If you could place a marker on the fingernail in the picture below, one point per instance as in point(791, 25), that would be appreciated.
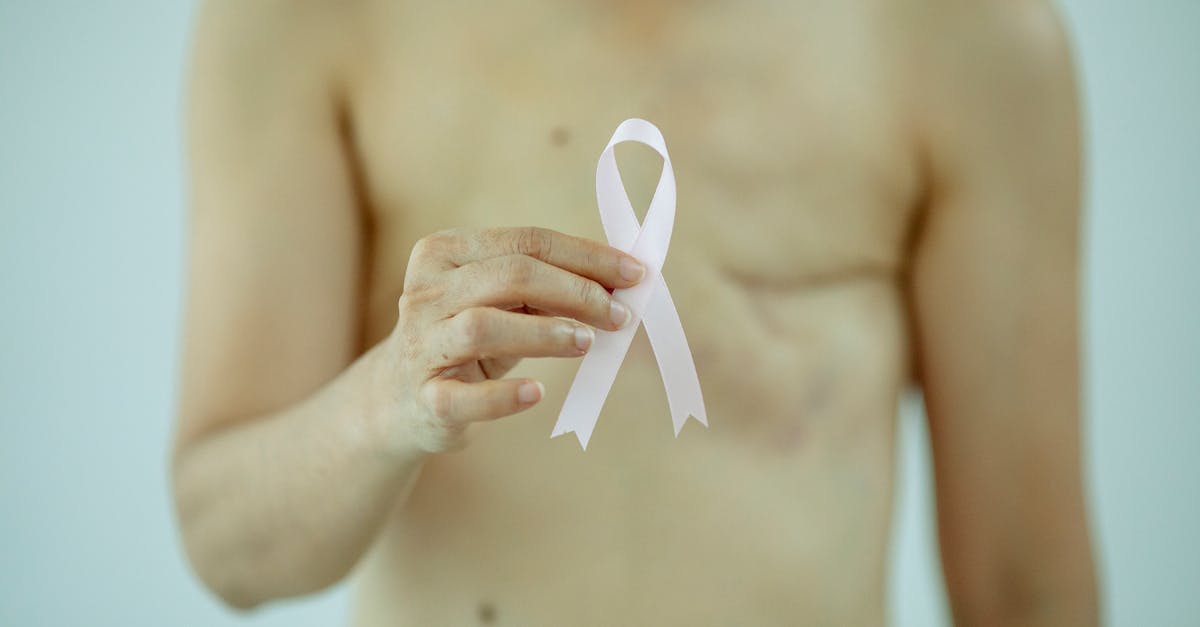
point(631, 270)
point(530, 392)
point(619, 314)
point(583, 337)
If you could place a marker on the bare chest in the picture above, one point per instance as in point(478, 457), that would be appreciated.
point(796, 185)
point(789, 146)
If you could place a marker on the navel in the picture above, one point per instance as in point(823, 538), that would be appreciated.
point(487, 613)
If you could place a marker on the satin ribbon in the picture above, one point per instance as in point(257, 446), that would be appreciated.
point(649, 301)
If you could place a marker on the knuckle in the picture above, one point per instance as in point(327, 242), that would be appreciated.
point(409, 304)
point(518, 271)
point(590, 293)
point(473, 326)
point(424, 249)
point(553, 336)
point(493, 235)
point(446, 237)
point(422, 261)
point(534, 241)
point(435, 244)
point(414, 279)
point(593, 259)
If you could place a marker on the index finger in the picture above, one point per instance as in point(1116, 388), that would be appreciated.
point(604, 264)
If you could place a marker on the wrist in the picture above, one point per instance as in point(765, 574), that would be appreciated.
point(386, 416)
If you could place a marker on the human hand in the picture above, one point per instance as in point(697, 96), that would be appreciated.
point(477, 301)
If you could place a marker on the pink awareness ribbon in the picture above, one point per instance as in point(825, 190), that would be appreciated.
point(649, 301)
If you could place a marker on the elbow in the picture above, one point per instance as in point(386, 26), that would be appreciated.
point(218, 579)
point(242, 573)
point(244, 592)
point(198, 525)
point(237, 600)
point(219, 576)
point(238, 548)
point(226, 589)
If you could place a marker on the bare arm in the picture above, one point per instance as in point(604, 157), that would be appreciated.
point(291, 447)
point(279, 485)
point(995, 293)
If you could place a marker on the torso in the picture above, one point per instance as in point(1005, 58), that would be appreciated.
point(797, 184)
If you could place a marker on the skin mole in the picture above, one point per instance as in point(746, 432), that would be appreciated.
point(559, 136)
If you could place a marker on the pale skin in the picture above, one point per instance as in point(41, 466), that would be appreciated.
point(396, 264)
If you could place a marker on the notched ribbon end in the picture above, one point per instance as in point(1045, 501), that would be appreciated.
point(581, 437)
point(679, 421)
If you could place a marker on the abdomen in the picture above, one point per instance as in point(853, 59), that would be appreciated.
point(776, 514)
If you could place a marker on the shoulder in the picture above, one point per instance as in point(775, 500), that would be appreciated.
point(264, 45)
point(973, 52)
point(993, 80)
point(281, 21)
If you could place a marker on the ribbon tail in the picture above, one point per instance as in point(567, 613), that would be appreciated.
point(674, 357)
point(592, 383)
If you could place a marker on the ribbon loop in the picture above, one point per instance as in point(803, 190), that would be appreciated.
point(649, 301)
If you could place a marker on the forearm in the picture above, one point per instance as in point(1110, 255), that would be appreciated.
point(286, 504)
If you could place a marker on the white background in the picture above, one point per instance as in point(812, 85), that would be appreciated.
point(91, 224)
